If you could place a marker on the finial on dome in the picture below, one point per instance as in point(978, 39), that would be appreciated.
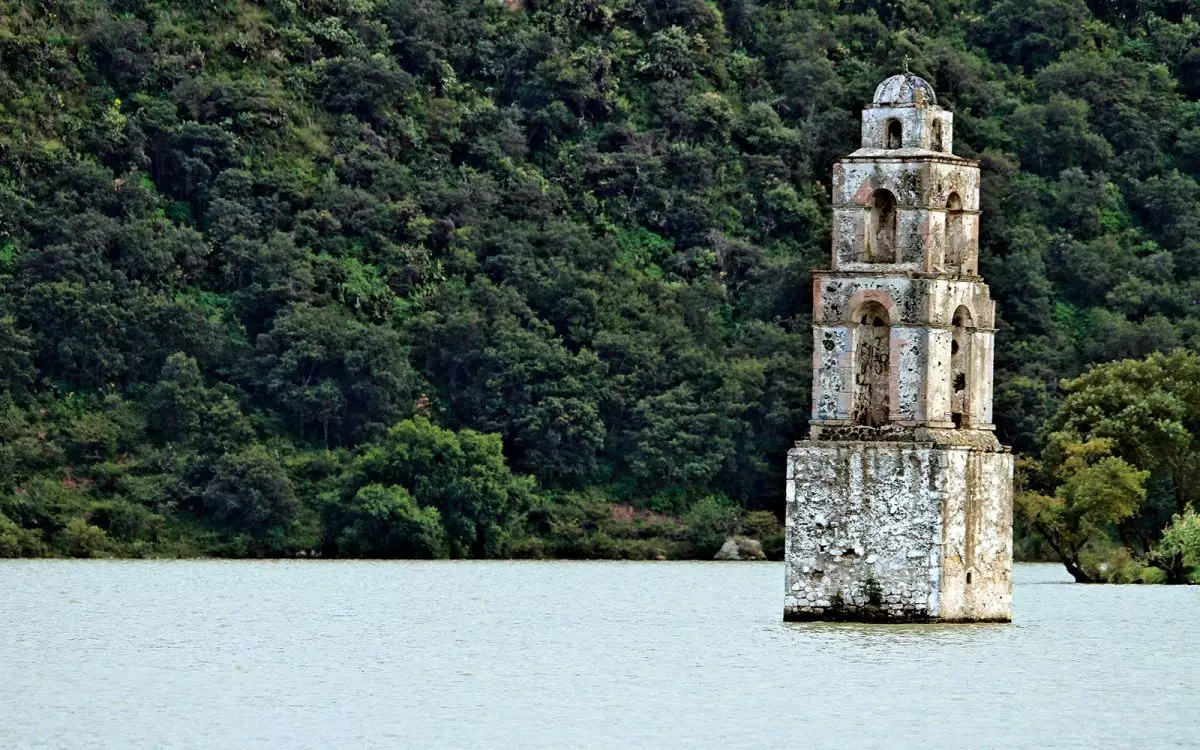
point(906, 58)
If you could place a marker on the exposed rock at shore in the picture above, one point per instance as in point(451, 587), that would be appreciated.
point(740, 548)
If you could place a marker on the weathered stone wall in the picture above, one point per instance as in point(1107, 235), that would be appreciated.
point(938, 378)
point(863, 532)
point(835, 360)
point(983, 345)
point(976, 536)
point(922, 238)
point(833, 372)
point(910, 300)
point(918, 180)
point(919, 382)
point(922, 184)
point(916, 125)
point(910, 351)
point(921, 312)
point(867, 523)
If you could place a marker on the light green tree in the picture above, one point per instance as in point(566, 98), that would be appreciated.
point(1179, 548)
point(1097, 490)
point(1148, 410)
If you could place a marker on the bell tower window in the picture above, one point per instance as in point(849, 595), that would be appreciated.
point(935, 136)
point(960, 366)
point(873, 365)
point(893, 134)
point(881, 233)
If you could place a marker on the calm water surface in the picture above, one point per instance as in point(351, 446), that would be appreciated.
point(511, 654)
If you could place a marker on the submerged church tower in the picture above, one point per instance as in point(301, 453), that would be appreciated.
point(899, 505)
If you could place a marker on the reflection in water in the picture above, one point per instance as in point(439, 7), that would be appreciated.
point(857, 631)
point(479, 654)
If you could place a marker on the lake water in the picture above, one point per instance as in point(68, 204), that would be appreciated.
point(530, 654)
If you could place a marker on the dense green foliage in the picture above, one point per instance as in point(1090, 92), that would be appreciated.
point(1097, 491)
point(427, 277)
point(1120, 464)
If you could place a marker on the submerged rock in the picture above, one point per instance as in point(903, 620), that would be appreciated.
point(740, 548)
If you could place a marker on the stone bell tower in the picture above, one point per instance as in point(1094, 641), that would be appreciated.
point(899, 505)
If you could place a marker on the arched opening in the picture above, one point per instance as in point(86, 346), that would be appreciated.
point(954, 241)
point(872, 365)
point(935, 136)
point(892, 137)
point(960, 366)
point(881, 235)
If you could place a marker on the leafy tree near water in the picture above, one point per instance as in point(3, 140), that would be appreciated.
point(421, 478)
point(387, 522)
point(1149, 409)
point(1179, 548)
point(1097, 491)
point(1121, 458)
point(250, 490)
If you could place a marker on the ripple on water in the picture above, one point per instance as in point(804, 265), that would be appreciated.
point(493, 654)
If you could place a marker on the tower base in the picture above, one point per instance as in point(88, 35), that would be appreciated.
point(898, 532)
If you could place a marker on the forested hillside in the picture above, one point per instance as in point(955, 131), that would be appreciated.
point(523, 277)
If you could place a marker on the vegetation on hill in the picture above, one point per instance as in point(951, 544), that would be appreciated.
point(530, 277)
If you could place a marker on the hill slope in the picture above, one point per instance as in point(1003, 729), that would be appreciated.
point(241, 242)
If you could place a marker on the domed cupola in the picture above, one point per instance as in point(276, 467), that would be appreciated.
point(905, 115)
point(905, 90)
